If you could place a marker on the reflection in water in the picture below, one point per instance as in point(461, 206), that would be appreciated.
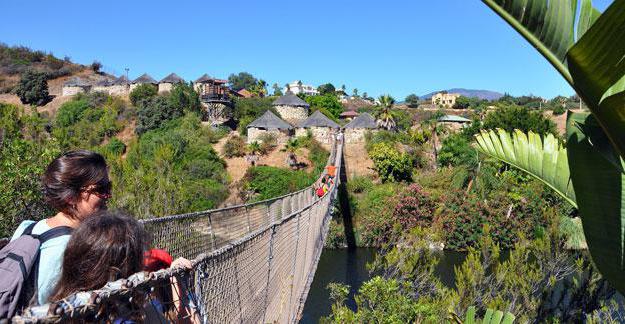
point(349, 267)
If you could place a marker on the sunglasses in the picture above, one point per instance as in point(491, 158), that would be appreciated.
point(102, 191)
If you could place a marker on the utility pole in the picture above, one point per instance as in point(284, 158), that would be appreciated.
point(127, 69)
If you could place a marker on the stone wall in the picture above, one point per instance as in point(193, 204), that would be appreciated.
point(323, 135)
point(119, 90)
point(292, 114)
point(164, 87)
point(356, 135)
point(70, 91)
point(253, 134)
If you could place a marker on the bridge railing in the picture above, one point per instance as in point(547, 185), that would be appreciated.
point(252, 263)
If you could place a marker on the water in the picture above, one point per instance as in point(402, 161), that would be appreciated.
point(349, 267)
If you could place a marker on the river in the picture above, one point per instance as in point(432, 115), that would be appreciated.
point(349, 267)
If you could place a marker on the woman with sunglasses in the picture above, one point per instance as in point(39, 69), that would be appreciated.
point(76, 185)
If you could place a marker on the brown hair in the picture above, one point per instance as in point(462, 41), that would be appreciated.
point(105, 247)
point(68, 175)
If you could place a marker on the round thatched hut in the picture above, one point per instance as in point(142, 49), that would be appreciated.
point(356, 129)
point(144, 79)
point(322, 128)
point(168, 82)
point(292, 108)
point(269, 123)
point(119, 87)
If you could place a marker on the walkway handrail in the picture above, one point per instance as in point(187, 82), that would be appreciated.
point(255, 262)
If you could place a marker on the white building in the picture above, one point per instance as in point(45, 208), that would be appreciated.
point(297, 87)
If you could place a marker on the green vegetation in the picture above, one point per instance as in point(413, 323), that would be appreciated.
point(327, 103)
point(234, 147)
point(142, 92)
point(33, 88)
point(242, 80)
point(412, 100)
point(246, 110)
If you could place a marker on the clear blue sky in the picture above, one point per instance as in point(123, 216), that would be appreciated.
point(399, 47)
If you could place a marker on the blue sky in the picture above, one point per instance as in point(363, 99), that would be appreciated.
point(396, 47)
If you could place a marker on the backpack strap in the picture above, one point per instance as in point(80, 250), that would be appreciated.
point(29, 229)
point(54, 233)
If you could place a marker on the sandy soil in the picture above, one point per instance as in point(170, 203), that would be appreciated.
point(357, 161)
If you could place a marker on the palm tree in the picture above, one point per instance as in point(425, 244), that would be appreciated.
point(589, 172)
point(291, 147)
point(253, 150)
point(385, 116)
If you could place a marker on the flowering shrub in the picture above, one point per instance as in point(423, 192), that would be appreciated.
point(415, 208)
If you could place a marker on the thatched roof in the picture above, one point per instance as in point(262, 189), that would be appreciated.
point(145, 78)
point(172, 78)
point(364, 120)
point(269, 121)
point(318, 119)
point(76, 82)
point(290, 100)
point(122, 80)
point(204, 78)
point(104, 83)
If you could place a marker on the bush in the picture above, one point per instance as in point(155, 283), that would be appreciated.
point(359, 184)
point(373, 217)
point(234, 146)
point(33, 88)
point(71, 112)
point(96, 66)
point(414, 208)
point(142, 92)
point(327, 103)
point(115, 147)
point(511, 117)
point(456, 150)
point(268, 182)
point(153, 112)
point(184, 98)
point(268, 143)
point(390, 164)
point(559, 110)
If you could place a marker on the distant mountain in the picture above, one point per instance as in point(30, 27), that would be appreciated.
point(482, 94)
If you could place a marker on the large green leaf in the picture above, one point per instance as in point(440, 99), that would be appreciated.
point(599, 182)
point(543, 158)
point(548, 25)
point(597, 66)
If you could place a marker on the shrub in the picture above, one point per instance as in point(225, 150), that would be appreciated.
point(183, 97)
point(33, 88)
point(390, 164)
point(234, 146)
point(456, 150)
point(153, 112)
point(115, 147)
point(559, 110)
point(511, 117)
point(327, 103)
point(268, 142)
point(414, 208)
point(71, 112)
point(142, 92)
point(372, 214)
point(359, 184)
point(96, 66)
point(268, 182)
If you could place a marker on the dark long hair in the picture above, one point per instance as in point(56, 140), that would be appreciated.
point(105, 247)
point(68, 175)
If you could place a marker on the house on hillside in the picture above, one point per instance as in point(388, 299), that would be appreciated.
point(453, 121)
point(269, 123)
point(445, 99)
point(297, 87)
point(322, 128)
point(292, 108)
point(348, 115)
point(102, 86)
point(355, 130)
point(216, 99)
point(75, 86)
point(144, 79)
point(167, 83)
point(119, 87)
point(244, 93)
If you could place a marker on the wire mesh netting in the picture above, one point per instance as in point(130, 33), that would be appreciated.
point(251, 263)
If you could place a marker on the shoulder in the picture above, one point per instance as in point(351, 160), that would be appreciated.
point(21, 228)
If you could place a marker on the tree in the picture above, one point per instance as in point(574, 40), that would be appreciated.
point(462, 102)
point(288, 88)
point(595, 142)
point(328, 104)
point(355, 92)
point(33, 88)
point(243, 80)
point(516, 117)
point(96, 66)
point(412, 100)
point(327, 88)
point(183, 97)
point(142, 92)
point(155, 111)
point(276, 90)
point(365, 96)
point(385, 115)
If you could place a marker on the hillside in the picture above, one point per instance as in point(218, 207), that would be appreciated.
point(481, 94)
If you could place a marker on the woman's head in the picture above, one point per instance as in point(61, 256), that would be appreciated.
point(105, 247)
point(77, 183)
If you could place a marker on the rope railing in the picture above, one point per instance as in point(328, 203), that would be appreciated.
point(251, 263)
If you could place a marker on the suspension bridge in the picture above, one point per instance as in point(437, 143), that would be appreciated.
point(251, 263)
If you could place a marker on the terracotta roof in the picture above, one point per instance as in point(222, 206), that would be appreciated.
point(172, 78)
point(365, 120)
point(318, 119)
point(290, 100)
point(245, 93)
point(269, 121)
point(349, 113)
point(145, 78)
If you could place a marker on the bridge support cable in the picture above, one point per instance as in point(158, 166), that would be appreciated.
point(251, 263)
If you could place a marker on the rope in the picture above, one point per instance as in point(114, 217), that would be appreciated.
point(251, 263)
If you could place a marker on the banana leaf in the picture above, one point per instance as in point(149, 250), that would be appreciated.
point(599, 182)
point(545, 159)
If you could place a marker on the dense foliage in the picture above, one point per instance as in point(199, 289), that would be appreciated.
point(511, 117)
point(242, 80)
point(154, 112)
point(234, 147)
point(33, 88)
point(142, 92)
point(328, 104)
point(390, 163)
point(246, 110)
